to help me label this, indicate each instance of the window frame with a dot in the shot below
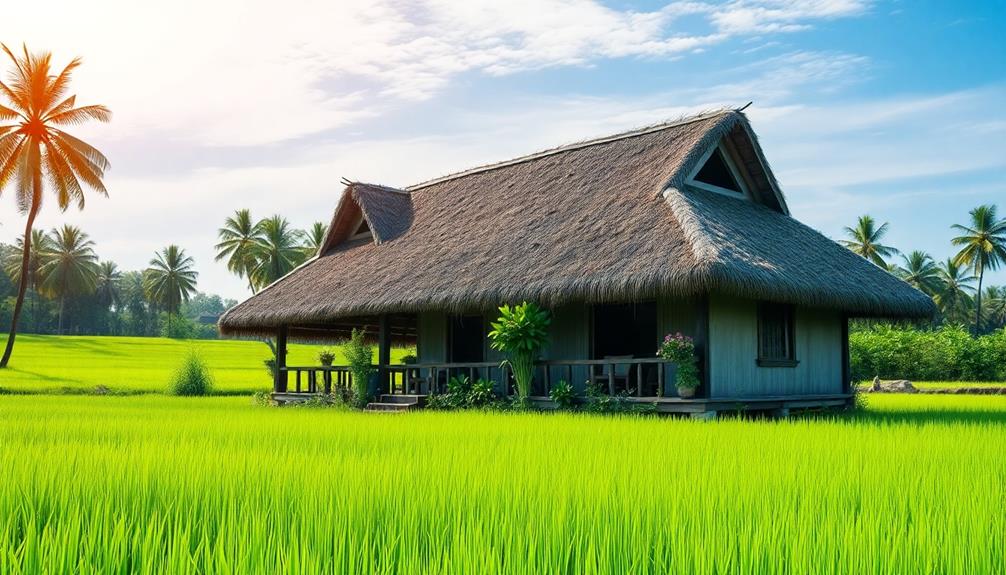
(789, 323)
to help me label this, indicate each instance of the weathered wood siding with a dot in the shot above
(733, 349)
(674, 315)
(431, 343)
(569, 338)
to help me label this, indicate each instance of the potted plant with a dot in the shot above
(326, 356)
(520, 333)
(680, 349)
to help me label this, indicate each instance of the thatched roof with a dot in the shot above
(604, 220)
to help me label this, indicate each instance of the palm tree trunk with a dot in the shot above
(978, 301)
(62, 303)
(23, 283)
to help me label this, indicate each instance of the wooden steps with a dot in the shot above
(396, 403)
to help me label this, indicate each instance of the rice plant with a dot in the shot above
(155, 484)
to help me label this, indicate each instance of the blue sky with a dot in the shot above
(887, 108)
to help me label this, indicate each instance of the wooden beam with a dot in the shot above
(280, 379)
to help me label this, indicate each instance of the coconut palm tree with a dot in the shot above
(865, 239)
(35, 149)
(920, 272)
(954, 296)
(280, 250)
(170, 279)
(314, 238)
(983, 247)
(40, 247)
(995, 301)
(109, 288)
(239, 241)
(71, 268)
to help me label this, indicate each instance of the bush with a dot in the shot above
(563, 395)
(326, 356)
(192, 378)
(946, 354)
(598, 401)
(359, 355)
(462, 393)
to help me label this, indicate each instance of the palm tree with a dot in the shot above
(239, 239)
(109, 288)
(920, 272)
(40, 246)
(984, 247)
(279, 252)
(995, 298)
(34, 149)
(170, 279)
(71, 268)
(865, 240)
(954, 295)
(314, 238)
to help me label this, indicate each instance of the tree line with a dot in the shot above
(955, 284)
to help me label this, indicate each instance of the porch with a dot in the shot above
(401, 386)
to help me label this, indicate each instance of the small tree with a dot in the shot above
(359, 355)
(520, 333)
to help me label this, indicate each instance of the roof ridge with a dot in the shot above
(573, 146)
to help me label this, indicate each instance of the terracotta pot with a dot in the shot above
(686, 392)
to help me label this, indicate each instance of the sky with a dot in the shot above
(893, 109)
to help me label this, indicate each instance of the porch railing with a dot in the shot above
(639, 377)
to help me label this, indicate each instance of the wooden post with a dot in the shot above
(279, 382)
(384, 353)
(701, 341)
(846, 369)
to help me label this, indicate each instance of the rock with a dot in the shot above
(895, 386)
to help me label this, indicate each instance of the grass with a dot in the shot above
(154, 484)
(62, 364)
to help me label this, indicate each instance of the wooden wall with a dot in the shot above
(733, 349)
(431, 345)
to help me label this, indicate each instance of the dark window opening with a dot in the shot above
(363, 229)
(621, 332)
(715, 172)
(775, 335)
(467, 339)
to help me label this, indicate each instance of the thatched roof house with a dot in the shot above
(683, 211)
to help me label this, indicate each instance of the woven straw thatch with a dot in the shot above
(606, 220)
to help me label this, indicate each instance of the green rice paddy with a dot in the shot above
(72, 364)
(155, 484)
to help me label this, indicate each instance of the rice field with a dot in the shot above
(154, 484)
(140, 364)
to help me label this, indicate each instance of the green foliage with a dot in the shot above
(680, 349)
(326, 356)
(462, 393)
(192, 377)
(563, 394)
(948, 354)
(599, 401)
(520, 332)
(359, 356)
(409, 359)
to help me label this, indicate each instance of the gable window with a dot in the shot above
(718, 173)
(362, 231)
(775, 335)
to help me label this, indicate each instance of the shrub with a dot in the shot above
(597, 401)
(192, 377)
(462, 393)
(520, 333)
(359, 355)
(946, 354)
(410, 359)
(563, 395)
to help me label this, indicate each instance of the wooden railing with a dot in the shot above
(639, 377)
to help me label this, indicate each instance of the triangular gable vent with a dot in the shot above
(716, 172)
(362, 231)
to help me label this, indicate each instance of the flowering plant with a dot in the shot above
(680, 349)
